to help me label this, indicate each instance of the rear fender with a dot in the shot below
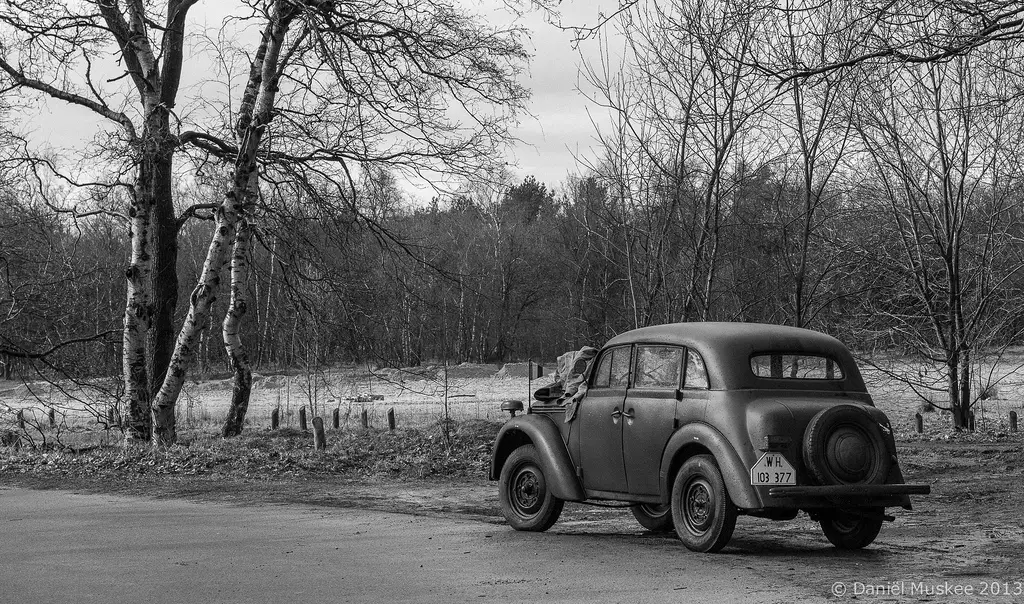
(697, 439)
(543, 434)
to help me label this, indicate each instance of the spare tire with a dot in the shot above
(845, 445)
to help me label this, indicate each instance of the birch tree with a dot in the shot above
(61, 50)
(354, 86)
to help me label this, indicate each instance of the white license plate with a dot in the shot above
(771, 470)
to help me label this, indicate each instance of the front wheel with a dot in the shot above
(847, 531)
(653, 517)
(704, 515)
(526, 501)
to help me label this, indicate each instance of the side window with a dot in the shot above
(658, 367)
(613, 370)
(696, 373)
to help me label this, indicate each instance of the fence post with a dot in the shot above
(1013, 421)
(336, 418)
(302, 419)
(319, 438)
(21, 419)
(919, 422)
(970, 422)
(365, 419)
(275, 418)
(53, 418)
(391, 418)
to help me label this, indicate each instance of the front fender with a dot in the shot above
(695, 439)
(543, 434)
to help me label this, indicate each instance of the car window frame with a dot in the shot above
(839, 368)
(636, 358)
(592, 383)
(686, 365)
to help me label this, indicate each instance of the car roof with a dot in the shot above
(727, 348)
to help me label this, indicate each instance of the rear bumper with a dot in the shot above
(850, 491)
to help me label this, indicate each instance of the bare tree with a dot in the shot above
(687, 104)
(354, 86)
(943, 138)
(54, 49)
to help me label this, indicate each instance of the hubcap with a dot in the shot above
(845, 524)
(526, 491)
(848, 453)
(698, 505)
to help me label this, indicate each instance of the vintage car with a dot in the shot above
(693, 424)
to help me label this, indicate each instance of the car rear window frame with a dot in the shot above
(839, 373)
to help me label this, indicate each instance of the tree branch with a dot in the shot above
(26, 82)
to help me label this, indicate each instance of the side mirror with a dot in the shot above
(512, 407)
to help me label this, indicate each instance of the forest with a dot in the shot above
(846, 168)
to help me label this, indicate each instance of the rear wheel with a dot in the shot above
(703, 514)
(526, 500)
(653, 517)
(849, 531)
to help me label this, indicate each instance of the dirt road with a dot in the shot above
(59, 546)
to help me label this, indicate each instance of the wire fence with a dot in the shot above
(416, 399)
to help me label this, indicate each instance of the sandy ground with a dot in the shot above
(962, 543)
(965, 536)
(60, 546)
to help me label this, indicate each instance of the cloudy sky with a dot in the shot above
(559, 125)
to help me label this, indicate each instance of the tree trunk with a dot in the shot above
(255, 114)
(165, 268)
(953, 384)
(962, 406)
(139, 274)
(242, 385)
(200, 303)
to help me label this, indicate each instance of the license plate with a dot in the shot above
(771, 470)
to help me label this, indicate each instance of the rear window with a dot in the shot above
(791, 366)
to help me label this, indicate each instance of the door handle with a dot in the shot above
(628, 415)
(616, 414)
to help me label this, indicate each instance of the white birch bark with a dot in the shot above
(256, 113)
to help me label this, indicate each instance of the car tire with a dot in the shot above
(847, 531)
(702, 512)
(526, 500)
(845, 445)
(653, 517)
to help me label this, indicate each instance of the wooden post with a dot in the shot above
(53, 418)
(1013, 421)
(302, 419)
(919, 422)
(275, 418)
(970, 421)
(365, 419)
(21, 419)
(336, 418)
(319, 437)
(391, 418)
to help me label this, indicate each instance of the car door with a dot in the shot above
(650, 414)
(600, 423)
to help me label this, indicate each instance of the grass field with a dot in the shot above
(424, 395)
